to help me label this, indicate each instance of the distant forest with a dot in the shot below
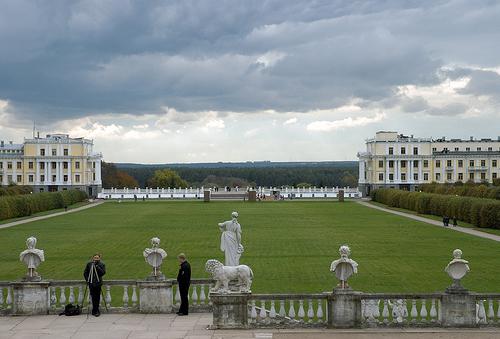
(338, 173)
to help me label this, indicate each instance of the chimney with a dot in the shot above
(10, 142)
(471, 138)
(38, 135)
(2, 143)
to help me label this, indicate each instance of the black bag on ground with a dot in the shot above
(70, 310)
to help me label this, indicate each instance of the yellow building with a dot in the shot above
(56, 162)
(394, 160)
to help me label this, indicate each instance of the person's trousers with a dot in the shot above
(95, 296)
(184, 292)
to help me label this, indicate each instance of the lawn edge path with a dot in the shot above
(47, 216)
(432, 222)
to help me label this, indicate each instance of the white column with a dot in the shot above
(397, 171)
(47, 172)
(361, 173)
(37, 172)
(4, 179)
(420, 169)
(386, 176)
(70, 178)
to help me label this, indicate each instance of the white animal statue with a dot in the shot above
(344, 267)
(224, 274)
(32, 258)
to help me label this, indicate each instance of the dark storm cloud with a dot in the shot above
(75, 58)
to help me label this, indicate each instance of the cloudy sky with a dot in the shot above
(284, 80)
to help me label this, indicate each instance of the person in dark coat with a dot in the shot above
(455, 223)
(184, 280)
(93, 273)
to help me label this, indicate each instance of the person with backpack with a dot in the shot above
(94, 270)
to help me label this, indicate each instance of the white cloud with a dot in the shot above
(328, 126)
(291, 121)
(215, 123)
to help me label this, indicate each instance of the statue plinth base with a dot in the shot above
(30, 298)
(229, 310)
(155, 296)
(157, 277)
(29, 278)
(344, 308)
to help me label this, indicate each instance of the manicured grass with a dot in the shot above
(289, 244)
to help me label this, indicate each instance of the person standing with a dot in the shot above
(455, 223)
(184, 280)
(94, 270)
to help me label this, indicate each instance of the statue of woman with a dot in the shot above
(32, 257)
(230, 241)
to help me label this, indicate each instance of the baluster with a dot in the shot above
(262, 313)
(498, 310)
(301, 313)
(291, 310)
(491, 312)
(177, 296)
(253, 313)
(385, 312)
(423, 311)
(71, 295)
(80, 295)
(433, 312)
(9, 297)
(1, 297)
(376, 310)
(310, 310)
(272, 311)
(282, 312)
(62, 297)
(125, 296)
(405, 311)
(203, 297)
(108, 296)
(319, 311)
(194, 296)
(413, 311)
(481, 313)
(134, 295)
(53, 297)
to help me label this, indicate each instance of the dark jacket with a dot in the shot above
(184, 275)
(100, 268)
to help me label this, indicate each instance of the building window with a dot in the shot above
(460, 176)
(438, 163)
(448, 176)
(54, 165)
(483, 176)
(42, 152)
(415, 150)
(494, 163)
(19, 178)
(403, 150)
(54, 178)
(9, 179)
(426, 176)
(1, 179)
(19, 165)
(471, 163)
(42, 177)
(415, 163)
(403, 163)
(391, 150)
(381, 176)
(448, 163)
(471, 176)
(30, 178)
(391, 176)
(460, 163)
(403, 176)
(456, 149)
(54, 152)
(1, 164)
(391, 163)
(494, 175)
(65, 178)
(30, 165)
(65, 165)
(77, 177)
(415, 176)
(483, 163)
(65, 151)
(9, 165)
(93, 165)
(479, 149)
(467, 149)
(380, 164)
(490, 149)
(93, 176)
(77, 165)
(438, 176)
(42, 166)
(426, 163)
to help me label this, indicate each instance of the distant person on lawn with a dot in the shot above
(184, 280)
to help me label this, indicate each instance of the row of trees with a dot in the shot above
(469, 189)
(15, 206)
(113, 177)
(477, 211)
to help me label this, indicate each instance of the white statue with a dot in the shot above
(32, 257)
(154, 256)
(344, 267)
(223, 274)
(457, 269)
(230, 241)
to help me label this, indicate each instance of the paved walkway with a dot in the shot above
(194, 326)
(433, 222)
(42, 217)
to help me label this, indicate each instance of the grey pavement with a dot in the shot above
(433, 222)
(194, 326)
(42, 217)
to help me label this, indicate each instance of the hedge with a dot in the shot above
(477, 211)
(466, 190)
(16, 206)
(15, 190)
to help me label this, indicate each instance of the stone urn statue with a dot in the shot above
(344, 267)
(154, 257)
(32, 257)
(457, 269)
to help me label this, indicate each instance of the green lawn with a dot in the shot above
(289, 245)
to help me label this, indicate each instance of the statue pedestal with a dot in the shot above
(230, 310)
(155, 296)
(344, 308)
(458, 308)
(30, 298)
